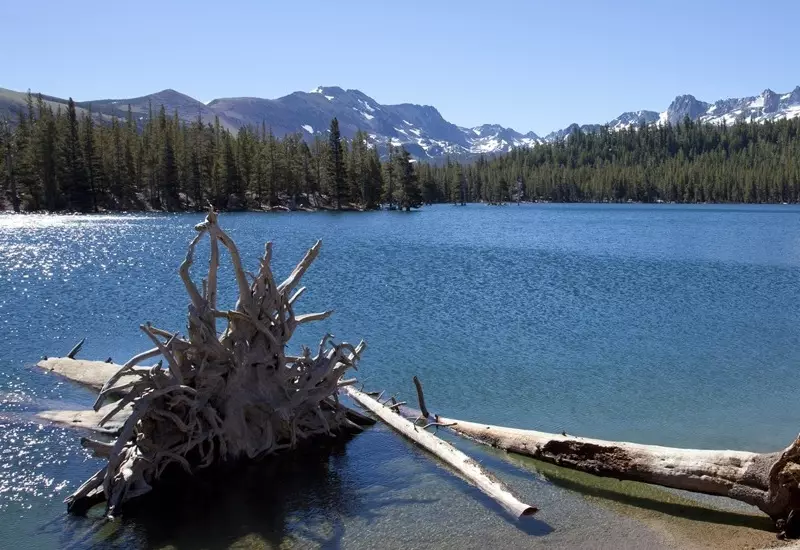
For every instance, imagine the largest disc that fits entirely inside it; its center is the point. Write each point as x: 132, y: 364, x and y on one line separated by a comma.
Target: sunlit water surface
x: 671, y: 324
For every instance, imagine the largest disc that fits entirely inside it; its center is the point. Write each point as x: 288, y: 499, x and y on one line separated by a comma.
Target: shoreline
x: 357, y: 209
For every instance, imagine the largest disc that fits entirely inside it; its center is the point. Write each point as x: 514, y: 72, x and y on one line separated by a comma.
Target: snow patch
x: 308, y: 128
x: 317, y: 90
x: 663, y: 118
x: 487, y: 146
x: 792, y: 112
x: 757, y: 103
x: 477, y: 132
x: 329, y: 97
x: 366, y: 115
x: 367, y: 106
x: 407, y: 123
x: 414, y: 131
x: 401, y: 131
x: 786, y: 96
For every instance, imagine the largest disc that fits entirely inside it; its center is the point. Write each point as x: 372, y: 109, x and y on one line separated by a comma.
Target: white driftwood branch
x: 466, y: 466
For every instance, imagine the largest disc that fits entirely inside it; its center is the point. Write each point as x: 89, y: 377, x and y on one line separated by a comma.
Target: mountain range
x: 421, y: 129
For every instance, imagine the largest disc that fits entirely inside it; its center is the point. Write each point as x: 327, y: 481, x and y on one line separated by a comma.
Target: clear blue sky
x: 531, y: 65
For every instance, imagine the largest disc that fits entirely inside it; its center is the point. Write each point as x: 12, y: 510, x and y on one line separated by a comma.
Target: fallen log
x: 88, y: 420
x: 217, y: 396
x: 466, y: 466
x: 92, y: 374
x: 769, y: 481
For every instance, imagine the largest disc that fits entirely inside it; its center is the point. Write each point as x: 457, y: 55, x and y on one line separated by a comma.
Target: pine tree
x: 7, y: 152
x: 458, y: 189
x: 374, y: 185
x: 169, y: 174
x: 73, y: 169
x: 389, y: 191
x: 319, y: 157
x: 45, y: 138
x: 408, y: 186
x: 91, y: 159
x: 272, y: 168
x: 24, y: 166
x: 129, y: 169
x: 335, y: 166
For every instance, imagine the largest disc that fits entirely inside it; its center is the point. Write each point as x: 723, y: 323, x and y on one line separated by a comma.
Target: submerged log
x: 769, y: 481
x: 218, y: 396
x: 88, y: 420
x: 463, y: 464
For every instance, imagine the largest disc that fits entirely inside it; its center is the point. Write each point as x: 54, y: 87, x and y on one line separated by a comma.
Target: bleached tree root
x: 768, y: 481
x: 93, y: 374
x: 218, y: 396
x: 466, y: 466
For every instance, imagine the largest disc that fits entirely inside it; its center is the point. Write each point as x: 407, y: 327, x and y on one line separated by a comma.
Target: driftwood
x: 74, y: 351
x: 92, y: 374
x: 466, y: 466
x: 218, y: 396
x: 768, y: 481
x: 89, y: 420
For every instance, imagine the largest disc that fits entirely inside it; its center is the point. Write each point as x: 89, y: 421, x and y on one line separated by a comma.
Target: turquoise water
x: 671, y: 324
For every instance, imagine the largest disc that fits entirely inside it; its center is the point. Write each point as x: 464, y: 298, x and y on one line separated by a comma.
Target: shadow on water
x: 529, y: 525
x: 640, y: 495
x: 267, y: 504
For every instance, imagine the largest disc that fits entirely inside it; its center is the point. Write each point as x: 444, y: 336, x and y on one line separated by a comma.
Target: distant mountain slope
x: 12, y: 102
x: 188, y: 108
x: 419, y: 128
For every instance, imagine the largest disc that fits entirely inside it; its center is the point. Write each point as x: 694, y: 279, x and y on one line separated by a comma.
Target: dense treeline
x: 688, y: 162
x: 60, y: 161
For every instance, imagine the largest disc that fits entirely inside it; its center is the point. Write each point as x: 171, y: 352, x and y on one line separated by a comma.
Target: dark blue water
x: 671, y: 324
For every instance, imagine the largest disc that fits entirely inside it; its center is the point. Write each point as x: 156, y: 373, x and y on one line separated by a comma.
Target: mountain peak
x: 328, y: 90
x: 421, y: 129
x: 683, y: 106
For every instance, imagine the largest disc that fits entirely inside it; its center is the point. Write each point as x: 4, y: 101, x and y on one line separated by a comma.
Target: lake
x: 669, y: 324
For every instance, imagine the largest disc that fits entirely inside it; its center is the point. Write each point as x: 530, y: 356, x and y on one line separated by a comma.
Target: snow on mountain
x: 633, y: 119
x: 766, y: 106
x: 419, y: 128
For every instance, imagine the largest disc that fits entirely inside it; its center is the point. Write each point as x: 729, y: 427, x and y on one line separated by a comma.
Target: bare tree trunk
x: 768, y: 481
x: 463, y: 464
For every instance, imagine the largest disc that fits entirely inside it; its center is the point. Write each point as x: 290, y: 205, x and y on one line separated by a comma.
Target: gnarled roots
x: 220, y: 396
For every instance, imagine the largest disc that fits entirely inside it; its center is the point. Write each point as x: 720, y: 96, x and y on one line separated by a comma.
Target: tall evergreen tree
x: 73, y: 170
x: 458, y: 188
x: 7, y: 152
x: 335, y: 166
x: 389, y: 190
x: 408, y: 186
